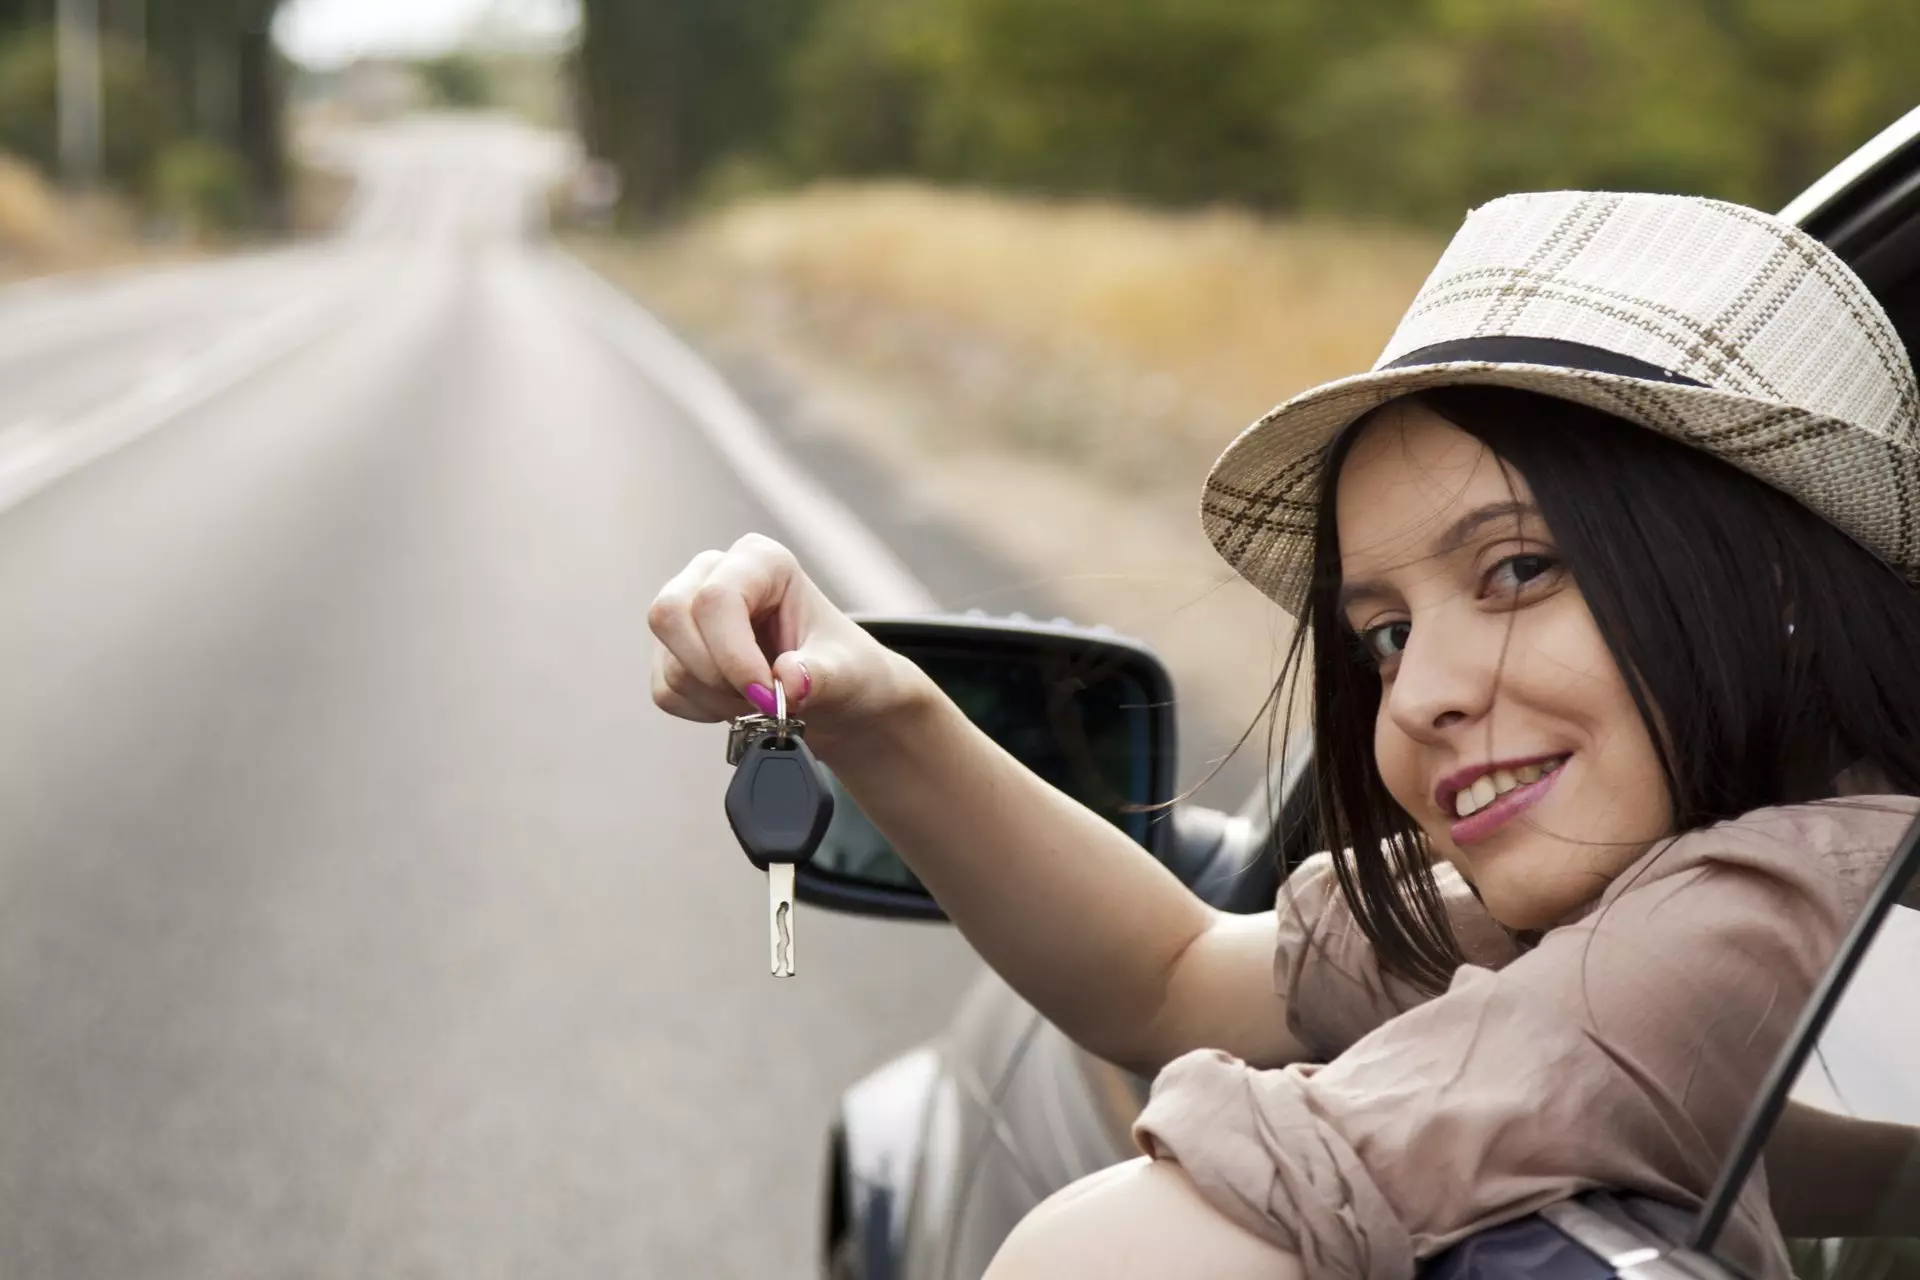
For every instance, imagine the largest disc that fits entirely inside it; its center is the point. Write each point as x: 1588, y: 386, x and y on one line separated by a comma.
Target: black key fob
x: 778, y: 804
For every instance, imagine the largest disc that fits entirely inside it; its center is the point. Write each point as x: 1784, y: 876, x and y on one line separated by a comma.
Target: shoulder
x: 1311, y: 908
x: 1829, y: 848
x: 1744, y: 914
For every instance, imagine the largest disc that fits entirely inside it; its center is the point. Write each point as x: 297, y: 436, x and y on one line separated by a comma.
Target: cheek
x: 1398, y: 759
x: 1566, y: 670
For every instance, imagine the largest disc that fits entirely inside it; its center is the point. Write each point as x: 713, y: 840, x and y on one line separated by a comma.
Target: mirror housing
x: 1087, y: 710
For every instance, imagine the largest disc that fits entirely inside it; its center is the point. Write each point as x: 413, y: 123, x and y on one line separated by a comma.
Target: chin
x: 1521, y: 902
x: 1526, y: 915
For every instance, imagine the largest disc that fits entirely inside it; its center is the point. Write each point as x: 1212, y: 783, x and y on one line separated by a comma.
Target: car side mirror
x: 1086, y: 710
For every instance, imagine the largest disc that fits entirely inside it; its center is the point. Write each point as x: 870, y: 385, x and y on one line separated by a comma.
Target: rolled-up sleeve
x: 1622, y: 1052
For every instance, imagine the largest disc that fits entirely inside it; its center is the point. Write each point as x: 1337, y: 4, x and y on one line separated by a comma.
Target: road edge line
x: 871, y: 577
x: 108, y: 428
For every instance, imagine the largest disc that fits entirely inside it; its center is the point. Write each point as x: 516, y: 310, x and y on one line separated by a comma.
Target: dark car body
x: 935, y: 1156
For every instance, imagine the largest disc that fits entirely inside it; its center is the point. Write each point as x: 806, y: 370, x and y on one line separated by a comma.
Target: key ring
x: 743, y: 729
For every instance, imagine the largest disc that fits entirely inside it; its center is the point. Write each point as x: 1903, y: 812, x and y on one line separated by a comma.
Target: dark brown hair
x: 1693, y: 572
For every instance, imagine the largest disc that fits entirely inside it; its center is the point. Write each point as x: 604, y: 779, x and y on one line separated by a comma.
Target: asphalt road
x: 359, y: 916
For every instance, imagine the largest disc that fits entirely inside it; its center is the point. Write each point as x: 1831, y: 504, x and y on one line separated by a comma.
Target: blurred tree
x: 205, y: 65
x: 859, y: 85
x: 1173, y: 100
x: 221, y: 55
x: 1482, y: 97
x: 1408, y: 109
x: 142, y: 117
x: 457, y: 80
x: 670, y: 88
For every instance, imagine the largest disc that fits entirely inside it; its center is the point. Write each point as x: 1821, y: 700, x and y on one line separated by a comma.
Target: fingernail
x: 762, y: 697
x: 806, y: 682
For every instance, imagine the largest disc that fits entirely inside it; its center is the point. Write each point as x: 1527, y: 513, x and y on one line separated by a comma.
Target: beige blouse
x: 1622, y: 1052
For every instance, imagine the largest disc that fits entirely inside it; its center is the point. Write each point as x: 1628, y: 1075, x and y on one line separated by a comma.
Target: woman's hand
x: 1080, y: 919
x: 733, y: 621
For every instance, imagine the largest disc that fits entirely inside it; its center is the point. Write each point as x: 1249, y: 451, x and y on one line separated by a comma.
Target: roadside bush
x: 202, y: 188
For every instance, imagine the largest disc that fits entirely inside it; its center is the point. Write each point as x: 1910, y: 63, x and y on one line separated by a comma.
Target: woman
x: 1603, y: 580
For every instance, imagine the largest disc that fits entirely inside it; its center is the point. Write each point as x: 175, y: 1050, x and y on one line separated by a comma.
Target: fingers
x: 747, y: 586
x: 671, y: 620
x: 710, y: 620
x: 794, y: 675
x: 678, y: 693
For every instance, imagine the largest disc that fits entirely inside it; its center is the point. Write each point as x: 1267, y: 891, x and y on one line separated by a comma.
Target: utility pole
x: 136, y: 11
x: 80, y: 92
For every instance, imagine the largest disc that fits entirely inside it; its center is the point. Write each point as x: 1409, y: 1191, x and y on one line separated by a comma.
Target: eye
x: 1516, y: 573
x: 1386, y: 641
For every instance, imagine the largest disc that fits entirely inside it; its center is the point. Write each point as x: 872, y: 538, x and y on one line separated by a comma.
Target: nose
x: 1446, y: 677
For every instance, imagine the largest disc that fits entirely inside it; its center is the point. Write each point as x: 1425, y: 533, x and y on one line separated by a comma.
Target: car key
x: 779, y: 807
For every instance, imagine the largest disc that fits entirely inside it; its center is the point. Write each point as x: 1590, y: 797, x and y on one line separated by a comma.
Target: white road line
x: 23, y: 443
x: 65, y: 448
x: 827, y: 535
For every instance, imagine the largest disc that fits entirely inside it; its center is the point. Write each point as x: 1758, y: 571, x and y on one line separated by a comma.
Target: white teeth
x: 1484, y: 789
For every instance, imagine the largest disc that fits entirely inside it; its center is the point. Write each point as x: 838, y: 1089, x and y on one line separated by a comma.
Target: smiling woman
x: 1547, y: 548
x: 1604, y: 576
x: 1478, y: 650
x: 1619, y: 688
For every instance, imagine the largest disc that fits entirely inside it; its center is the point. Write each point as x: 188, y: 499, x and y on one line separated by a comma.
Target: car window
x: 1843, y: 1160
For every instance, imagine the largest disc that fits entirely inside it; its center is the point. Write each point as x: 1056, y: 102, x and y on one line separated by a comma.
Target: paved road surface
x: 358, y: 915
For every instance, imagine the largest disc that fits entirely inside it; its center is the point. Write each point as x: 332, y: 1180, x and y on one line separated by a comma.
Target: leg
x: 1141, y: 1219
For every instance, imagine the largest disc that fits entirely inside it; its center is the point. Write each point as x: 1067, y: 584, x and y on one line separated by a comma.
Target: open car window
x: 1840, y: 1124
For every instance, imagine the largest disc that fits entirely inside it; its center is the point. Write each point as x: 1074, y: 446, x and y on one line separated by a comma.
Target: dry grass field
x: 1054, y: 376
x: 44, y: 231
x: 1244, y: 311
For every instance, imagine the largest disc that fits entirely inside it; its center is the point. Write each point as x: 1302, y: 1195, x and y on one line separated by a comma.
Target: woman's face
x: 1505, y: 728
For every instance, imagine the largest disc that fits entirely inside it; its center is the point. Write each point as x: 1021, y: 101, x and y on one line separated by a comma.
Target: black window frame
x: 1903, y: 870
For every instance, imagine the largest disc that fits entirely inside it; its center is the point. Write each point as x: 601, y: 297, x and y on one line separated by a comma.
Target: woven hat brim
x: 1258, y: 508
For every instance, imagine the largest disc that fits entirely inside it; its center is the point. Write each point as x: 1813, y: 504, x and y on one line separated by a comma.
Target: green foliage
x: 858, y: 89
x: 457, y: 80
x: 171, y: 68
x: 141, y: 115
x: 670, y: 88
x: 1490, y: 96
x: 1405, y: 109
x: 1173, y: 100
x: 203, y: 188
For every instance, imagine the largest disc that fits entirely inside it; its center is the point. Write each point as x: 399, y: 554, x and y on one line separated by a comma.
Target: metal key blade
x: 780, y: 916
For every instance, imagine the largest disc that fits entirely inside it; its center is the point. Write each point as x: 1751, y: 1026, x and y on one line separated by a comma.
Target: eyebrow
x: 1455, y: 536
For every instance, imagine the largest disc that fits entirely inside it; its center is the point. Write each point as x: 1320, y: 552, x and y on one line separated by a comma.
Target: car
x: 936, y: 1155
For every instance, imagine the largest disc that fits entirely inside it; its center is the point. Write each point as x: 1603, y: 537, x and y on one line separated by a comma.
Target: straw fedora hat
x: 1714, y: 324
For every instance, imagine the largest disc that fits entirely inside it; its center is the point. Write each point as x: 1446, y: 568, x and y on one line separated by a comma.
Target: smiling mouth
x: 1467, y: 798
x: 1487, y: 805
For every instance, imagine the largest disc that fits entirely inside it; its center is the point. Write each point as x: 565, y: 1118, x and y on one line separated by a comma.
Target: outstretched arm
x: 1079, y: 919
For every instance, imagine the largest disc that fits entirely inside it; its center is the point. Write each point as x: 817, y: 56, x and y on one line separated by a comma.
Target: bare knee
x: 1144, y: 1219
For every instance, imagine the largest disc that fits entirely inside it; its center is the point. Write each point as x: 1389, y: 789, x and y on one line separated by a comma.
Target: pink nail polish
x: 761, y: 697
x: 806, y: 682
